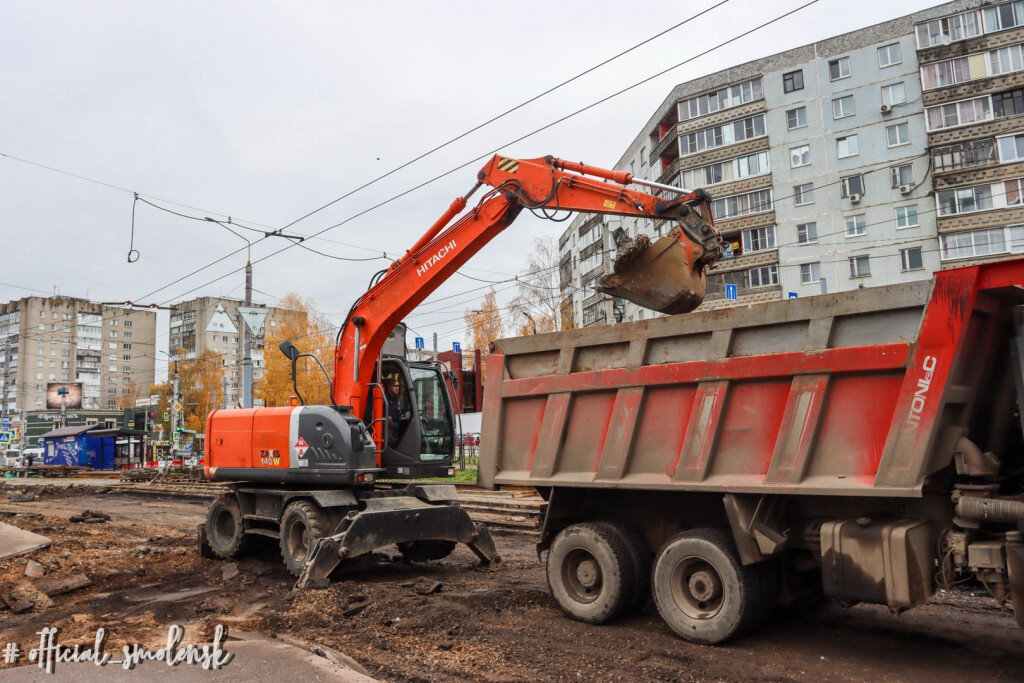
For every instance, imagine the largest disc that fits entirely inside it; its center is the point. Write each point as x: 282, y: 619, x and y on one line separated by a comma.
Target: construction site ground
x: 446, y: 620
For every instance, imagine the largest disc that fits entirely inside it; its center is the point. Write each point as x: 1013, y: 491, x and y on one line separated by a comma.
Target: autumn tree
x: 485, y: 324
x: 299, y: 322
x: 537, y: 306
x: 200, y: 379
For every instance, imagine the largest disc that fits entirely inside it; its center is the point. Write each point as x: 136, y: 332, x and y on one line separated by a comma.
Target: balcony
x: 964, y: 155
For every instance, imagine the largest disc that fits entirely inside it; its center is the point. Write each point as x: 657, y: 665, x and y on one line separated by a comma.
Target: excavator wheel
x: 302, y: 523
x: 225, y: 531
x: 423, y: 551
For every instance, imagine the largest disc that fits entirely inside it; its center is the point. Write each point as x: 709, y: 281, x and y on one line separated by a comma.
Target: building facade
x: 216, y: 324
x: 867, y: 159
x: 109, y: 350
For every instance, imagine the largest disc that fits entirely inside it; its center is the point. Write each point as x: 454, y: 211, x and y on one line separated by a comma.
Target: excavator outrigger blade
x: 667, y: 275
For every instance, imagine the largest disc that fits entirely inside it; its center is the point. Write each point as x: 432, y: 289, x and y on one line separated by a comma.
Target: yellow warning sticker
x: 508, y: 165
x: 609, y: 204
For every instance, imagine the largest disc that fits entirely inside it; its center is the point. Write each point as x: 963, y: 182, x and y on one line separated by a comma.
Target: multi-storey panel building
x: 216, y: 324
x: 109, y: 350
x: 866, y: 159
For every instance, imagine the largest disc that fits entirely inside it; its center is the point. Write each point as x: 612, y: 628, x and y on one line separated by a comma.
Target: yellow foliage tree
x: 485, y: 324
x: 199, y: 380
x: 311, y: 332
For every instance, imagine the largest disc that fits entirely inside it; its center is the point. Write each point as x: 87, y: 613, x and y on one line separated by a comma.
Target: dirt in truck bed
x: 449, y: 620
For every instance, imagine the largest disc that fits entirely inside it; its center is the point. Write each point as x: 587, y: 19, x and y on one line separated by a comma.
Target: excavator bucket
x: 665, y: 275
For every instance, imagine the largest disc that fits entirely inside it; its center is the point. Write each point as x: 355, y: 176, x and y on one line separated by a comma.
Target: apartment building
x: 835, y: 165
x: 972, y: 72
x: 109, y: 350
x: 218, y: 324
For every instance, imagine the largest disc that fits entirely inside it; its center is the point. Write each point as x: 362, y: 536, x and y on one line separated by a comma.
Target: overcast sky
x: 266, y: 110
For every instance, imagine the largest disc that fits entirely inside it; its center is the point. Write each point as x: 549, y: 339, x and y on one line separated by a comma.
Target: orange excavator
x: 309, y: 476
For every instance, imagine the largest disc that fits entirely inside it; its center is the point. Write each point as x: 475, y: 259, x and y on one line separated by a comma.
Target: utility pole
x: 435, y: 346
x: 175, y: 412
x: 247, y: 357
x: 7, y: 373
x: 224, y: 392
x: 63, y: 391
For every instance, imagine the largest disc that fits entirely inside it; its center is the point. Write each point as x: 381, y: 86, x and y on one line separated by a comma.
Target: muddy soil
x: 479, y: 625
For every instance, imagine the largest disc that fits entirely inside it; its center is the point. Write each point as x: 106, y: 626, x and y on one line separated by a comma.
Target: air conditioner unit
x: 906, y: 189
x: 854, y: 198
x: 885, y: 108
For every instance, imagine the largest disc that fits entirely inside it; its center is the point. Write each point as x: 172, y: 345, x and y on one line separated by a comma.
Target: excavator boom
x: 667, y: 276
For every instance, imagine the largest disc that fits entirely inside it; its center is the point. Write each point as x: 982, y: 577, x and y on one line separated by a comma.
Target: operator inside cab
x: 398, y: 409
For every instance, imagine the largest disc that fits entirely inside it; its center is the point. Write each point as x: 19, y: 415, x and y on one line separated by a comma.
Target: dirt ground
x: 480, y: 625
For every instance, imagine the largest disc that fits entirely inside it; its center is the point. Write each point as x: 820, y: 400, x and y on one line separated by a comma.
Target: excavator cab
x: 415, y: 422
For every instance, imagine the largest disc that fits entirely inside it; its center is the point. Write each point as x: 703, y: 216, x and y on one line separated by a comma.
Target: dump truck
x: 863, y: 445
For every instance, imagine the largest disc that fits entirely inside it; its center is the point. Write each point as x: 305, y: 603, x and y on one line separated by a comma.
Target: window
x: 126, y: 368
x: 764, y: 276
x: 889, y: 55
x: 1005, y: 60
x: 719, y: 136
x: 1009, y: 103
x: 856, y: 225
x: 860, y: 266
x: 796, y: 118
x: 112, y: 368
x: 742, y: 204
x: 810, y: 273
x: 113, y: 334
x: 969, y: 244
x: 1014, y: 192
x: 806, y: 233
x: 127, y: 335
x: 126, y: 356
x: 897, y: 135
x: 902, y: 175
x: 974, y: 153
x: 910, y: 259
x: 948, y: 29
x: 1002, y: 17
x: 948, y: 72
x: 842, y: 107
x: 970, y: 111
x: 792, y: 81
x: 42, y: 326
x: 803, y: 194
x: 733, y: 96
x: 894, y: 93
x: 126, y: 347
x: 851, y: 185
x: 906, y: 217
x: 964, y: 200
x: 1011, y: 148
x: 758, y: 239
x: 723, y: 172
x: 113, y: 345
x: 839, y: 68
x: 127, y: 323
x: 847, y: 146
x: 800, y: 156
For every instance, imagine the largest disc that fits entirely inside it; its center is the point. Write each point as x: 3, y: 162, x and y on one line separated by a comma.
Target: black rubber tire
x: 424, y: 551
x: 302, y: 523
x: 736, y: 600
x: 642, y: 558
x: 592, y: 553
x: 225, y: 530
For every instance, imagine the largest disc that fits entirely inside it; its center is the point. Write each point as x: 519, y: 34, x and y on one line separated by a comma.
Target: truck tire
x: 225, y: 530
x: 424, y: 551
x: 591, y: 572
x: 642, y: 558
x: 302, y: 523
x: 703, y: 592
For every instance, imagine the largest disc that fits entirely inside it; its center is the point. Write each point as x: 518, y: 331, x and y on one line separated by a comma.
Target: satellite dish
x: 945, y: 40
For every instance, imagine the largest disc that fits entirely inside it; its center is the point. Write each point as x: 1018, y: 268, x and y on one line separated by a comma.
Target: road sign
x: 793, y: 295
x: 6, y: 437
x: 456, y: 347
x: 419, y: 343
x: 732, y: 292
x: 5, y: 423
x: 177, y: 407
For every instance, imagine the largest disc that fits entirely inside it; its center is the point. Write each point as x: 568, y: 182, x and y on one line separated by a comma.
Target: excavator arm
x: 667, y: 275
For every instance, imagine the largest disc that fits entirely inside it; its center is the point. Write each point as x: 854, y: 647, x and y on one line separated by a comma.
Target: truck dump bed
x: 858, y: 393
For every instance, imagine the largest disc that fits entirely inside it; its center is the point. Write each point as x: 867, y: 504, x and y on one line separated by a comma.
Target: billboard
x: 74, y: 395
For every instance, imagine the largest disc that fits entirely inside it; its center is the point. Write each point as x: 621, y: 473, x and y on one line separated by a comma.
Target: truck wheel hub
x: 588, y: 573
x: 704, y: 585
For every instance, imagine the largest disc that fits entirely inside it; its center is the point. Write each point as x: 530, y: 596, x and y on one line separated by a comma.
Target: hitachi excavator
x: 307, y: 475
